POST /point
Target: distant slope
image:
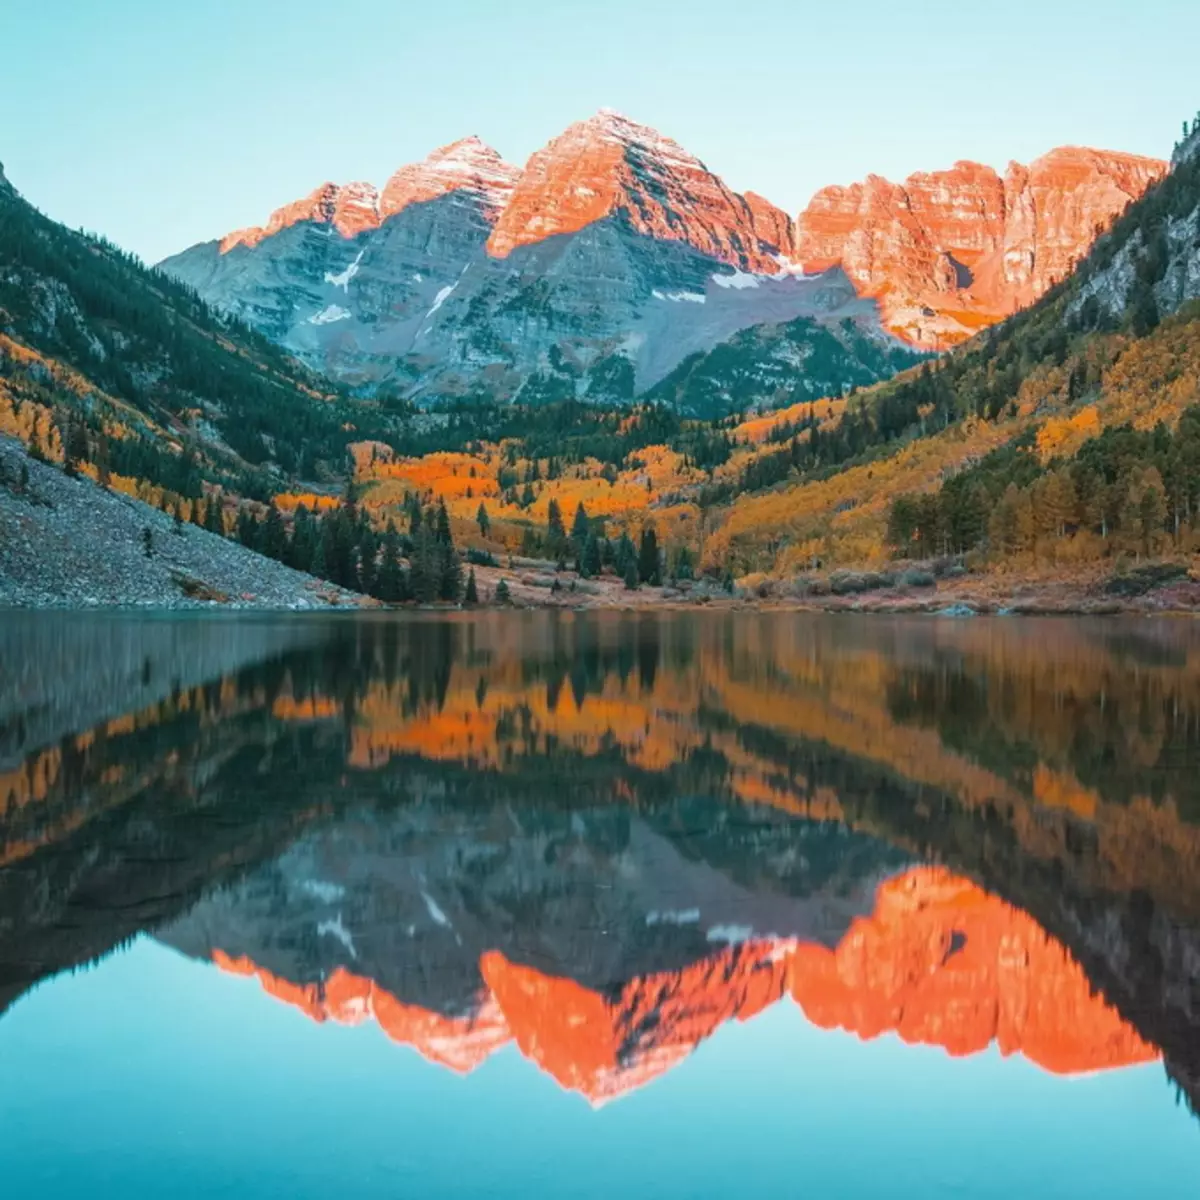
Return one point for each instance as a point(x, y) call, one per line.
point(149, 372)
point(1116, 343)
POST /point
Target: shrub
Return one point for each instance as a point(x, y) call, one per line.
point(1145, 579)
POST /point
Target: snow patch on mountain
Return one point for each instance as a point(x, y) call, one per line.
point(342, 278)
point(327, 316)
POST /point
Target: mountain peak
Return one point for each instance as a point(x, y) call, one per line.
point(610, 166)
point(469, 165)
point(348, 208)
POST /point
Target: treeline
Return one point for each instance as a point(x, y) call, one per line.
point(593, 552)
point(1124, 491)
point(343, 547)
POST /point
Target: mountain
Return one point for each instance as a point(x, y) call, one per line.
point(615, 254)
point(1067, 437)
point(938, 961)
point(950, 252)
point(609, 166)
point(142, 376)
point(590, 274)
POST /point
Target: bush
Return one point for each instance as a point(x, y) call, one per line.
point(1145, 579)
point(854, 583)
point(481, 558)
point(918, 578)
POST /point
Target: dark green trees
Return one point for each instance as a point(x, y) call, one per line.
point(649, 566)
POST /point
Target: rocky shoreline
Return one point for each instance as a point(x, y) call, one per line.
point(68, 543)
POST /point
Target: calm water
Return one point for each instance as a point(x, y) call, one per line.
point(533, 905)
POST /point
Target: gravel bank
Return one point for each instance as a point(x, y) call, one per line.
point(68, 543)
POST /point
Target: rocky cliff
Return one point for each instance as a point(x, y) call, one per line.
point(949, 252)
point(615, 253)
point(592, 273)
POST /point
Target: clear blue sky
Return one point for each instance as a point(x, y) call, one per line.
point(165, 122)
point(151, 1068)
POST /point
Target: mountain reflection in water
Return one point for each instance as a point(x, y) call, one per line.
point(599, 838)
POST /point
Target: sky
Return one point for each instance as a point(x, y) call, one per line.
point(151, 1067)
point(163, 124)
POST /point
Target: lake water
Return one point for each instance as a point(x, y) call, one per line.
point(599, 905)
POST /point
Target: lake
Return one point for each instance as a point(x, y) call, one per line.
point(670, 905)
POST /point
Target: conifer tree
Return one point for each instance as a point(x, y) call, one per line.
point(556, 536)
point(590, 563)
point(472, 594)
point(483, 520)
point(274, 536)
point(390, 586)
point(425, 576)
point(213, 519)
point(580, 528)
point(648, 565)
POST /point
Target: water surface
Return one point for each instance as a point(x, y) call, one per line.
point(599, 904)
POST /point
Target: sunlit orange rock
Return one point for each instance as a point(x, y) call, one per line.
point(468, 165)
point(350, 208)
point(459, 1043)
point(609, 165)
point(948, 252)
point(605, 1046)
point(941, 962)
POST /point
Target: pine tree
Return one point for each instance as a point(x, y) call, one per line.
point(483, 520)
point(556, 536)
point(580, 528)
point(648, 566)
point(590, 564)
point(632, 580)
point(503, 596)
point(214, 520)
point(147, 541)
point(472, 596)
point(624, 555)
point(424, 578)
point(274, 535)
point(390, 585)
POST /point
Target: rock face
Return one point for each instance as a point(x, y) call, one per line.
point(609, 166)
point(591, 273)
point(615, 254)
point(469, 166)
point(950, 252)
point(348, 210)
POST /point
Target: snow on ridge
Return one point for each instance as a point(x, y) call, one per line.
point(327, 316)
point(687, 916)
point(680, 297)
point(739, 280)
point(342, 278)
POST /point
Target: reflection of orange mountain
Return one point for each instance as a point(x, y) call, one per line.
point(460, 1043)
point(939, 962)
point(605, 1046)
point(942, 963)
